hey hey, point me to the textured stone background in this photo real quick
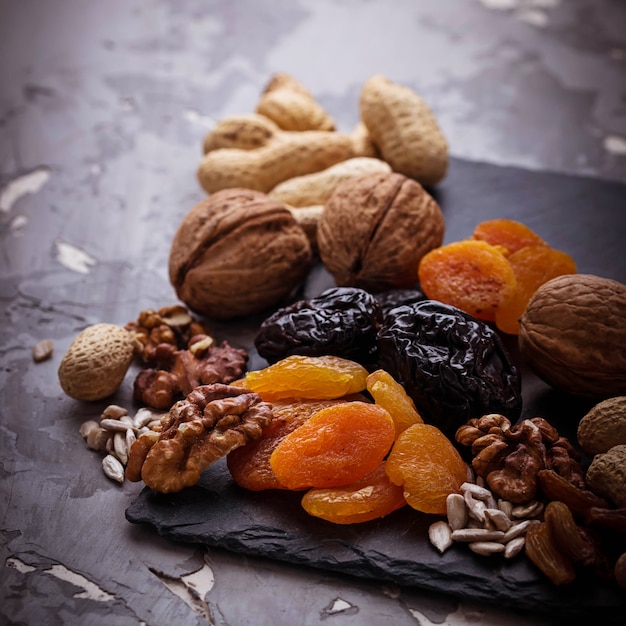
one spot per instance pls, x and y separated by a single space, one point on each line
103 106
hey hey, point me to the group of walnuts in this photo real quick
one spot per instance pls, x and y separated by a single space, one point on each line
284 187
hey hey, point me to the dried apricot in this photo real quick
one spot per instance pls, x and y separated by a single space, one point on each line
337 446
533 266
370 498
509 234
249 465
428 466
390 394
472 275
307 377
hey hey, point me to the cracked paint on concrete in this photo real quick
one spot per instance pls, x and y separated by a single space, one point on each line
192 588
89 590
23 185
73 258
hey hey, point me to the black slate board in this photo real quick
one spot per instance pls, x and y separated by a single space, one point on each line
584 217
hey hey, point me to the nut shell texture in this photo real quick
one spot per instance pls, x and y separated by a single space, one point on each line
96 362
604 426
237 253
573 335
606 475
404 129
374 230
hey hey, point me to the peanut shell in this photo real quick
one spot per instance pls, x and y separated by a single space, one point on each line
96 362
603 426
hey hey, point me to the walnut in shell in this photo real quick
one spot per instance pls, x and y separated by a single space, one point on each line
374 230
573 335
237 253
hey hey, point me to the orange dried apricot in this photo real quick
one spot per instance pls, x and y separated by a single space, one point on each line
533 266
249 465
428 466
471 275
509 234
390 394
337 446
371 498
307 377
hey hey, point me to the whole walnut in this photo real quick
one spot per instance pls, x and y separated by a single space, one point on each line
374 230
573 335
237 253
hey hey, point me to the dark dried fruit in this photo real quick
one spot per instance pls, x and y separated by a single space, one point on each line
453 366
340 322
545 554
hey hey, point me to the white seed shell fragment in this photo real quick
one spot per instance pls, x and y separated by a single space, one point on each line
114 412
477 534
533 509
456 511
119 447
97 439
475 508
514 547
87 427
506 507
113 468
440 535
486 547
480 493
142 418
130 439
517 530
497 519
116 425
42 350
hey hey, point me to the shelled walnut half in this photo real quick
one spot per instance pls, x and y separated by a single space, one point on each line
204 427
510 458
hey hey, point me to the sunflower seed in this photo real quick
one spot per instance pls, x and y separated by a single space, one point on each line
478 492
440 535
119 447
456 511
486 547
115 425
514 547
477 534
498 520
114 412
113 468
97 439
533 509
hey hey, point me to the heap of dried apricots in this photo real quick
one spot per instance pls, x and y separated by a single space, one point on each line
493 274
355 459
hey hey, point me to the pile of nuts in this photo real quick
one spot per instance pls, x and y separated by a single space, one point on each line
115 433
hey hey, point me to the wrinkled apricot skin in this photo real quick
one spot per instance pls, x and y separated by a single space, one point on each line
428 467
337 446
373 497
249 465
509 234
533 266
307 377
472 275
391 395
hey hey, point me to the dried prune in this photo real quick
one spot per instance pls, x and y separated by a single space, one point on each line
452 365
342 321
396 297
